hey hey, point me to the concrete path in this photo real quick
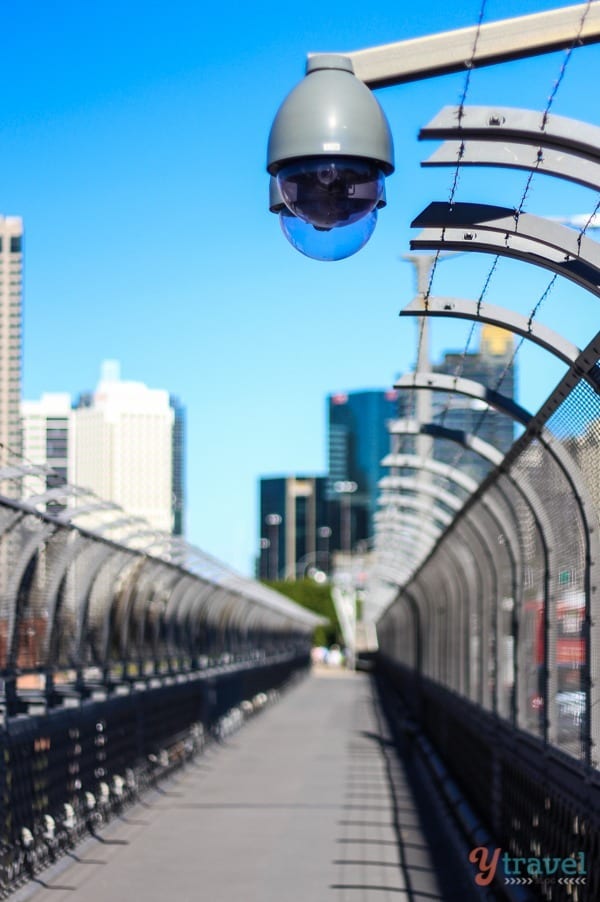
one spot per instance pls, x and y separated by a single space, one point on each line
307 803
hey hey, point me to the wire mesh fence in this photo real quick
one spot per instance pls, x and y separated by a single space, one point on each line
80 612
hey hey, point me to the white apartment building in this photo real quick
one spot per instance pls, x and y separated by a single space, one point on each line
11 287
122 447
46 440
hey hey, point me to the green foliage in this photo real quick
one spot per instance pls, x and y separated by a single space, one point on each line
317 598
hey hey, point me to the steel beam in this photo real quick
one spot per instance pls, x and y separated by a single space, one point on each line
504 232
391 486
458 385
435 467
389 514
505 125
406 521
517 156
476 46
481 311
436 430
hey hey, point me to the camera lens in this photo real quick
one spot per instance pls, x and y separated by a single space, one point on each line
328 192
327 175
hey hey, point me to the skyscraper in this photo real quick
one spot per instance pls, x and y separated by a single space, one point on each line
121 427
11 286
358 440
123 446
293 529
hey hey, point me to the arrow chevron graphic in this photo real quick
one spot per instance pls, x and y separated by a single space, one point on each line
520 881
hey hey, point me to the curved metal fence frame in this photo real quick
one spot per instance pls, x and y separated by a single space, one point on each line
82 608
484 610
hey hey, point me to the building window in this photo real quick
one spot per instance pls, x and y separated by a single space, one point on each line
56 443
56 478
15 244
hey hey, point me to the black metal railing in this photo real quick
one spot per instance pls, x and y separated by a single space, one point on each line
535 802
68 771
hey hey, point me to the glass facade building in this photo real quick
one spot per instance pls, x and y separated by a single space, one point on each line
358 440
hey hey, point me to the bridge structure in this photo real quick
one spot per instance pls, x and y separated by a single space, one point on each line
487 558
485 583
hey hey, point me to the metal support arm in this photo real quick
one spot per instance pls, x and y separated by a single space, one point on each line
494 42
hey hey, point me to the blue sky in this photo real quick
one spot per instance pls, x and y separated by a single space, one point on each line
132 142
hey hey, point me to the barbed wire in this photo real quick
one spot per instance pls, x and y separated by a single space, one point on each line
469 64
519 208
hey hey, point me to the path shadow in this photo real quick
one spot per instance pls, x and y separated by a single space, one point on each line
109 842
84 860
54 886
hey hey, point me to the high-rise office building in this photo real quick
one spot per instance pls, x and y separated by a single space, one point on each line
126 418
358 440
11 287
293 527
46 440
123 446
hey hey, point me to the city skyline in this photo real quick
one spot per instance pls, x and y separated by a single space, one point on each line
346 498
142 187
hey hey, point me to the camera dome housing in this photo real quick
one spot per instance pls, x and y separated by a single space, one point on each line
325 244
331 244
330 146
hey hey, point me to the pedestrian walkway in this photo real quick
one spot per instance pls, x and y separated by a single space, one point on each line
307 803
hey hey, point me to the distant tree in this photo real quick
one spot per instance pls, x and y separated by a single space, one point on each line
317 598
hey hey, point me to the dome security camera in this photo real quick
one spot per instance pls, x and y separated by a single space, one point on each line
330 150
